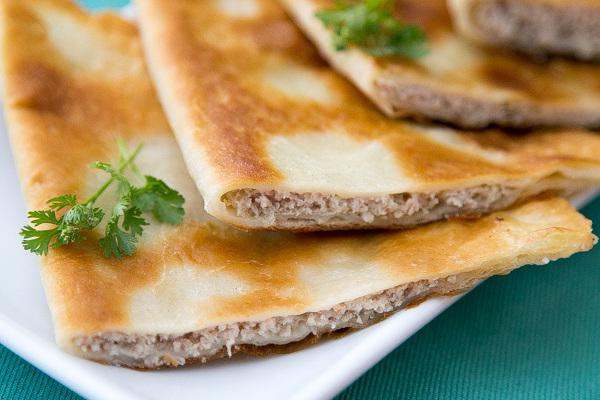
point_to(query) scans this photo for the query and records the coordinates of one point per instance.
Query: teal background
(534, 334)
(103, 4)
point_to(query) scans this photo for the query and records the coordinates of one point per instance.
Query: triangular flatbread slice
(457, 81)
(74, 83)
(276, 140)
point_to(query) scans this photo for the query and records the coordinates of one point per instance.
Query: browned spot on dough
(42, 79)
(94, 290)
(268, 263)
(432, 16)
(231, 120)
(71, 122)
(41, 88)
(435, 249)
(59, 138)
(262, 261)
(541, 147)
(63, 117)
(505, 78)
(256, 302)
(235, 113)
(531, 80)
(280, 34)
(426, 161)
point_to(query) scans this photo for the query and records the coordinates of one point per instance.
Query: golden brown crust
(68, 95)
(267, 115)
(63, 114)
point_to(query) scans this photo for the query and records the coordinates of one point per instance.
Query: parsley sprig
(371, 25)
(127, 218)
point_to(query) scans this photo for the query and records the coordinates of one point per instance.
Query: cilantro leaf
(126, 222)
(67, 229)
(133, 222)
(117, 242)
(37, 241)
(165, 203)
(43, 217)
(60, 202)
(83, 216)
(371, 25)
(122, 241)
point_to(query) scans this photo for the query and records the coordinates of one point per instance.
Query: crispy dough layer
(539, 27)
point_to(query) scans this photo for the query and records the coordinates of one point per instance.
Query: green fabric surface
(20, 380)
(534, 334)
(103, 4)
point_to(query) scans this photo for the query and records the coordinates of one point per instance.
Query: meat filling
(155, 351)
(535, 28)
(330, 211)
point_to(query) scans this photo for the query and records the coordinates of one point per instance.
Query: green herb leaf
(133, 222)
(371, 25)
(60, 202)
(117, 242)
(66, 229)
(165, 203)
(83, 216)
(126, 222)
(36, 240)
(42, 217)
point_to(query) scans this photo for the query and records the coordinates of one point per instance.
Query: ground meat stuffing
(289, 209)
(540, 27)
(156, 350)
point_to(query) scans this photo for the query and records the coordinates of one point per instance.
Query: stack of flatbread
(270, 144)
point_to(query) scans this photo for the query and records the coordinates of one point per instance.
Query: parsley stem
(124, 164)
